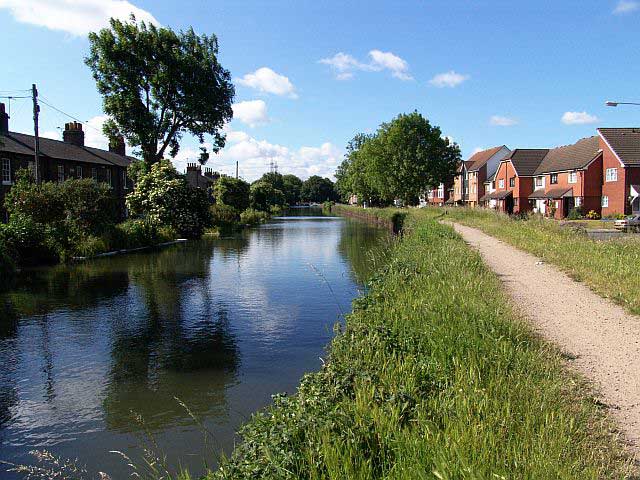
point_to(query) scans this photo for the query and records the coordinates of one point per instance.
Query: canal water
(93, 356)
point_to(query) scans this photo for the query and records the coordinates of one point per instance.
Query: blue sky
(311, 74)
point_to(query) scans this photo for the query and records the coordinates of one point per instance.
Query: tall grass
(610, 268)
(432, 377)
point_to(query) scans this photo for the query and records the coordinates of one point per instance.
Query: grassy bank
(610, 267)
(432, 377)
(392, 218)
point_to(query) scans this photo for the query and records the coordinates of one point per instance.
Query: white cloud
(477, 150)
(52, 134)
(345, 65)
(266, 80)
(578, 118)
(251, 112)
(448, 79)
(626, 6)
(93, 136)
(498, 121)
(387, 60)
(77, 17)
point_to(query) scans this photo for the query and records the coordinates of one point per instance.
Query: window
(493, 185)
(554, 178)
(61, 173)
(512, 182)
(501, 183)
(605, 201)
(6, 171)
(612, 174)
(124, 179)
(79, 171)
(539, 182)
(573, 177)
(578, 201)
(441, 191)
(109, 176)
(94, 173)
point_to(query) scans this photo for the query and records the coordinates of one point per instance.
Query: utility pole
(236, 169)
(36, 112)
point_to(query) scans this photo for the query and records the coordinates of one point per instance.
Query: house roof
(500, 194)
(466, 164)
(625, 142)
(24, 144)
(480, 159)
(525, 161)
(552, 193)
(570, 157)
(491, 177)
(484, 198)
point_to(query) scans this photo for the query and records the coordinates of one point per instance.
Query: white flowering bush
(164, 197)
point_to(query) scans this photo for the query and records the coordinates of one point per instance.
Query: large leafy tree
(318, 189)
(291, 187)
(263, 196)
(232, 192)
(158, 84)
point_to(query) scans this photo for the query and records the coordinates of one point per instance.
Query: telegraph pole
(236, 169)
(36, 112)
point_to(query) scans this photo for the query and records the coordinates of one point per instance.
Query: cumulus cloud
(77, 17)
(92, 128)
(449, 79)
(251, 112)
(266, 80)
(578, 118)
(345, 65)
(498, 121)
(626, 6)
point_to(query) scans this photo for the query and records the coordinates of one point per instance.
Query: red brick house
(439, 196)
(60, 160)
(569, 177)
(514, 180)
(461, 184)
(620, 170)
(484, 164)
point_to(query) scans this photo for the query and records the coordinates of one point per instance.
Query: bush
(614, 216)
(164, 197)
(134, 233)
(263, 196)
(253, 217)
(25, 241)
(232, 192)
(91, 245)
(593, 215)
(7, 265)
(575, 214)
(224, 217)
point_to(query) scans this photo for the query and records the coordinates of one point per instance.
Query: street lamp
(615, 104)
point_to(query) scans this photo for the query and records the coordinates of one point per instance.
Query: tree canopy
(318, 189)
(233, 192)
(401, 160)
(158, 84)
(263, 196)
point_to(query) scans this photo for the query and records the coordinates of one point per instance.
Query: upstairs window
(6, 171)
(572, 177)
(512, 182)
(124, 179)
(79, 171)
(501, 183)
(61, 173)
(109, 177)
(94, 173)
(612, 174)
(553, 178)
(539, 182)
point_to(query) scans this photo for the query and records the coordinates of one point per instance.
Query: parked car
(630, 223)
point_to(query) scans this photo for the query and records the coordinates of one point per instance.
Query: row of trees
(403, 159)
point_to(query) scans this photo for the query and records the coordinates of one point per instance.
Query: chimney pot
(4, 119)
(73, 134)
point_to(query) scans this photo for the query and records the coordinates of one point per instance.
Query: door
(568, 204)
(508, 204)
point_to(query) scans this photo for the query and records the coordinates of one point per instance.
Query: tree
(164, 197)
(275, 179)
(233, 192)
(291, 187)
(157, 85)
(351, 175)
(318, 189)
(263, 196)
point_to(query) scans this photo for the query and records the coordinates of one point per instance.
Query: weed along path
(602, 339)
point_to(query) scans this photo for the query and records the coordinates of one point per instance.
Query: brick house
(438, 196)
(486, 200)
(484, 164)
(620, 170)
(460, 191)
(61, 160)
(569, 177)
(514, 180)
(196, 179)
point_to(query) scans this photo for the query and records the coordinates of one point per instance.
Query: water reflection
(222, 324)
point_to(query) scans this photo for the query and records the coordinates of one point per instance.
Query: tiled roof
(500, 194)
(570, 157)
(553, 193)
(479, 159)
(24, 144)
(625, 142)
(525, 161)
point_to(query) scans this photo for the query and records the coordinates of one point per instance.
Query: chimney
(116, 145)
(4, 120)
(73, 134)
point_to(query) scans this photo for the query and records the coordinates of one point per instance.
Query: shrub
(593, 215)
(25, 240)
(614, 216)
(91, 245)
(263, 196)
(134, 233)
(232, 192)
(7, 265)
(253, 217)
(575, 214)
(224, 217)
(164, 197)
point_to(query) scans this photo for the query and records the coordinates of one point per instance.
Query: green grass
(433, 377)
(610, 268)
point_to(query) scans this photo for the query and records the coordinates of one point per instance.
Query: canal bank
(434, 375)
(221, 323)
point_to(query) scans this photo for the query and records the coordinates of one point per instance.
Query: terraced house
(61, 160)
(620, 170)
(484, 164)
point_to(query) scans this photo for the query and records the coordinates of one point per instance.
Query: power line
(85, 122)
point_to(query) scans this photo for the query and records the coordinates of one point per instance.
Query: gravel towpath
(603, 338)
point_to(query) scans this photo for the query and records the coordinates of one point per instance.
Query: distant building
(196, 179)
(61, 160)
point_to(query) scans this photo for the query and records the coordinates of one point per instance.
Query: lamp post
(615, 104)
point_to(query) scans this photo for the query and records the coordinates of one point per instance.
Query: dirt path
(603, 338)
